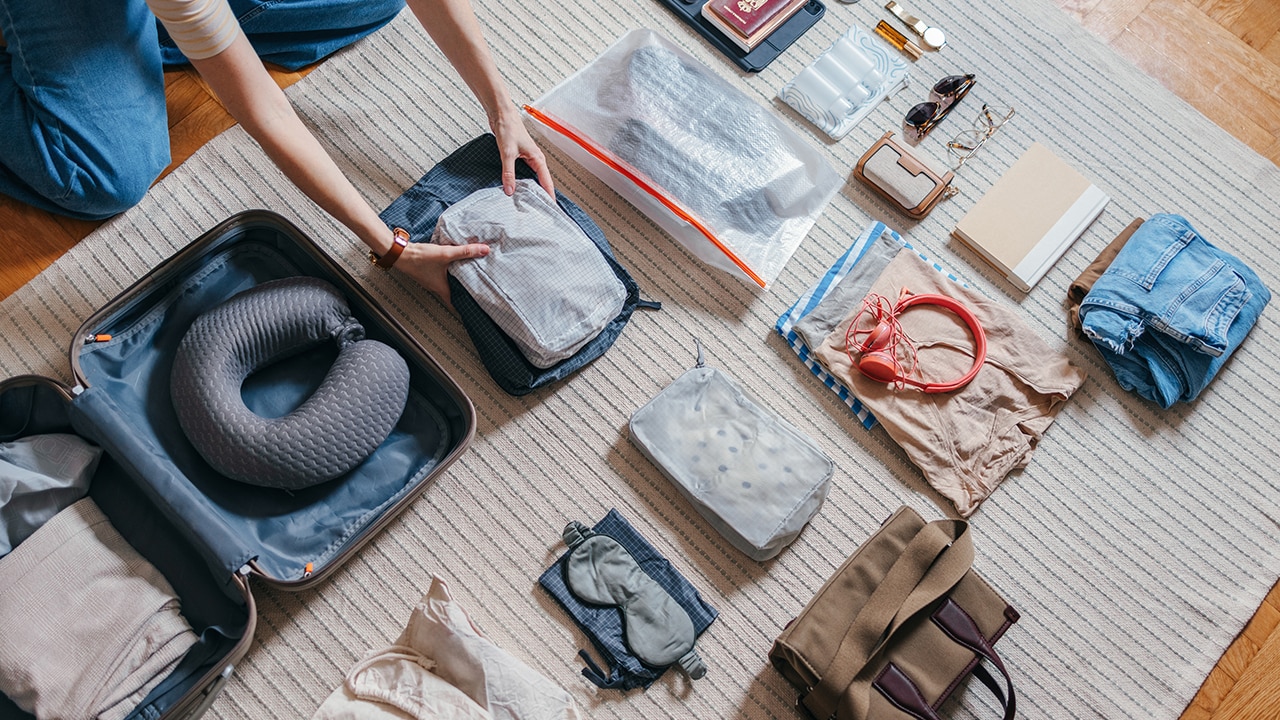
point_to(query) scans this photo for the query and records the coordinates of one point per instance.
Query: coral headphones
(879, 348)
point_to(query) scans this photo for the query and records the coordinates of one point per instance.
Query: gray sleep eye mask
(347, 417)
(655, 628)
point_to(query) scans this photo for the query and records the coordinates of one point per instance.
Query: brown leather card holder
(901, 178)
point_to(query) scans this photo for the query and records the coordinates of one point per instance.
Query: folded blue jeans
(1170, 310)
(82, 105)
(295, 33)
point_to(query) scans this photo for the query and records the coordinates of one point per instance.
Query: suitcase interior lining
(127, 409)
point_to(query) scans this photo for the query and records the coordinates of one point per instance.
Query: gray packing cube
(216, 539)
(756, 478)
(544, 282)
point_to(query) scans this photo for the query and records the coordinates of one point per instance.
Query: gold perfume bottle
(898, 40)
(932, 37)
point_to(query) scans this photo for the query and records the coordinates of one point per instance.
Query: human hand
(428, 264)
(514, 142)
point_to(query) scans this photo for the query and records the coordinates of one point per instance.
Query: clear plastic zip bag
(719, 172)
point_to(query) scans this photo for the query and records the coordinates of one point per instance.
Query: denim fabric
(604, 625)
(1083, 283)
(1170, 310)
(475, 166)
(82, 114)
(294, 33)
(82, 107)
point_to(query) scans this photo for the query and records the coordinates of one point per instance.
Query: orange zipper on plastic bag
(604, 156)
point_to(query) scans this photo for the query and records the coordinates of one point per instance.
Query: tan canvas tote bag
(898, 627)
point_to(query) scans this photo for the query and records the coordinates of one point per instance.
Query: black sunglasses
(945, 94)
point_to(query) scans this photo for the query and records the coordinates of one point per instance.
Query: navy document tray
(766, 52)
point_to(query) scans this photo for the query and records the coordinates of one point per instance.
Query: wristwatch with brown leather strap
(399, 241)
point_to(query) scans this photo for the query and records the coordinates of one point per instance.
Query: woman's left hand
(514, 142)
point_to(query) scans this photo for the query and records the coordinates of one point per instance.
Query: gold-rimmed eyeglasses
(968, 142)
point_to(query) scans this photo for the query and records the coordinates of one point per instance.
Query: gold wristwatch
(930, 37)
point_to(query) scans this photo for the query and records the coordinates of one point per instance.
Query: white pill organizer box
(845, 83)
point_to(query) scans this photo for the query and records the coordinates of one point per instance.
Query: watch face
(934, 38)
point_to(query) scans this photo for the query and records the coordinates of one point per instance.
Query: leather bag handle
(934, 560)
(960, 627)
(957, 624)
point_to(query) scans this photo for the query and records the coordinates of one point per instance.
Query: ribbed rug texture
(1136, 545)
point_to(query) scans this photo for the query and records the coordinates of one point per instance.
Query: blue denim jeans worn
(83, 129)
(294, 33)
(1170, 310)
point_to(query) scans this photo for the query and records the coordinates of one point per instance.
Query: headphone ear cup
(878, 339)
(880, 366)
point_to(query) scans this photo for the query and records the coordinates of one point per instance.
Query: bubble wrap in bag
(687, 148)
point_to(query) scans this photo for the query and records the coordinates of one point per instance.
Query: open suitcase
(211, 537)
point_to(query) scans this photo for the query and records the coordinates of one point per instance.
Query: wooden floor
(1222, 56)
(31, 239)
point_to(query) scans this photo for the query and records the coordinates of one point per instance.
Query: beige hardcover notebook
(1030, 216)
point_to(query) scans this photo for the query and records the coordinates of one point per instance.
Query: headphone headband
(883, 366)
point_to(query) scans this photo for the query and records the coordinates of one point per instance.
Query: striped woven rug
(1136, 544)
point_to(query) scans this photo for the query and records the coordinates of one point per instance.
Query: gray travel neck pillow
(352, 411)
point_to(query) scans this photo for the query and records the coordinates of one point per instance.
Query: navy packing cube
(211, 537)
(476, 166)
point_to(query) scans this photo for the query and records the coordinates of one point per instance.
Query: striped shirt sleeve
(200, 28)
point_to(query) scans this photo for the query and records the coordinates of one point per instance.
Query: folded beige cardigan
(87, 626)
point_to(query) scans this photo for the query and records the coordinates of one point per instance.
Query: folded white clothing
(87, 626)
(397, 683)
(442, 667)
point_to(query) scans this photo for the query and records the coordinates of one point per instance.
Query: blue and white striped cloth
(816, 294)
